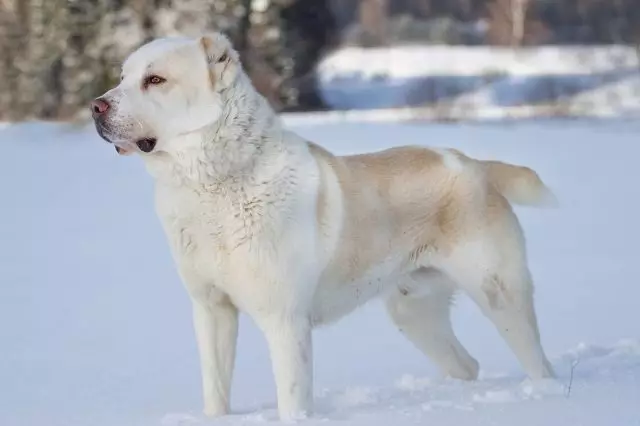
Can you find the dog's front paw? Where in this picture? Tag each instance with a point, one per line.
(215, 411)
(294, 416)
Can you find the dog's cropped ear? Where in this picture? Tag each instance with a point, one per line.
(222, 59)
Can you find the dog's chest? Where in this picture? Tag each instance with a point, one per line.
(204, 229)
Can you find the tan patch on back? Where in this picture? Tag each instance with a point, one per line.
(398, 202)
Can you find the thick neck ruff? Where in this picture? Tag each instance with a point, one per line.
(247, 136)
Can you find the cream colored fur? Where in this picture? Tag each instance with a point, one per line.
(263, 222)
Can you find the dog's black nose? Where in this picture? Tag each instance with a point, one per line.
(99, 107)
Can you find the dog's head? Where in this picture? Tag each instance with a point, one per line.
(169, 87)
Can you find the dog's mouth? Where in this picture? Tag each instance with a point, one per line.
(102, 131)
(146, 144)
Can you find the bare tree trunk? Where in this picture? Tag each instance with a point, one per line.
(46, 49)
(16, 19)
(518, 20)
(373, 16)
(8, 29)
(508, 25)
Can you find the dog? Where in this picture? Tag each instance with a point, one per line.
(261, 221)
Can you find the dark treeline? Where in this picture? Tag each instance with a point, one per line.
(58, 54)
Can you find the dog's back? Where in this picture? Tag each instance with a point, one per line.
(400, 206)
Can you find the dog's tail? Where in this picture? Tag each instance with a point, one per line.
(519, 184)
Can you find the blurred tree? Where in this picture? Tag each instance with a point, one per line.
(310, 30)
(10, 39)
(58, 54)
(515, 23)
(285, 40)
(507, 21)
(374, 16)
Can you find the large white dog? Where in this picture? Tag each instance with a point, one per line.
(263, 222)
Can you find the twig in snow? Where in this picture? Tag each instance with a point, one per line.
(574, 363)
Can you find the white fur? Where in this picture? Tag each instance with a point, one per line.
(237, 195)
(450, 159)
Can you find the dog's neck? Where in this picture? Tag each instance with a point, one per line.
(245, 143)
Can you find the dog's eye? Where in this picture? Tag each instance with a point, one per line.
(153, 80)
(223, 58)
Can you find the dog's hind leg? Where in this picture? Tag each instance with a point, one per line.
(424, 318)
(493, 272)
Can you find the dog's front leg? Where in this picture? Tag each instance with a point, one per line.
(216, 327)
(290, 346)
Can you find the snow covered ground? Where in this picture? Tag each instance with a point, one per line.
(95, 327)
(469, 81)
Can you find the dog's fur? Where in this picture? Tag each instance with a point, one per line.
(263, 222)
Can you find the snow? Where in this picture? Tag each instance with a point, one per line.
(96, 327)
(578, 80)
(400, 61)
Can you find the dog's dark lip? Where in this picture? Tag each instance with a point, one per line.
(102, 131)
(146, 144)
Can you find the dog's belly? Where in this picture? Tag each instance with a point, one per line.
(339, 296)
